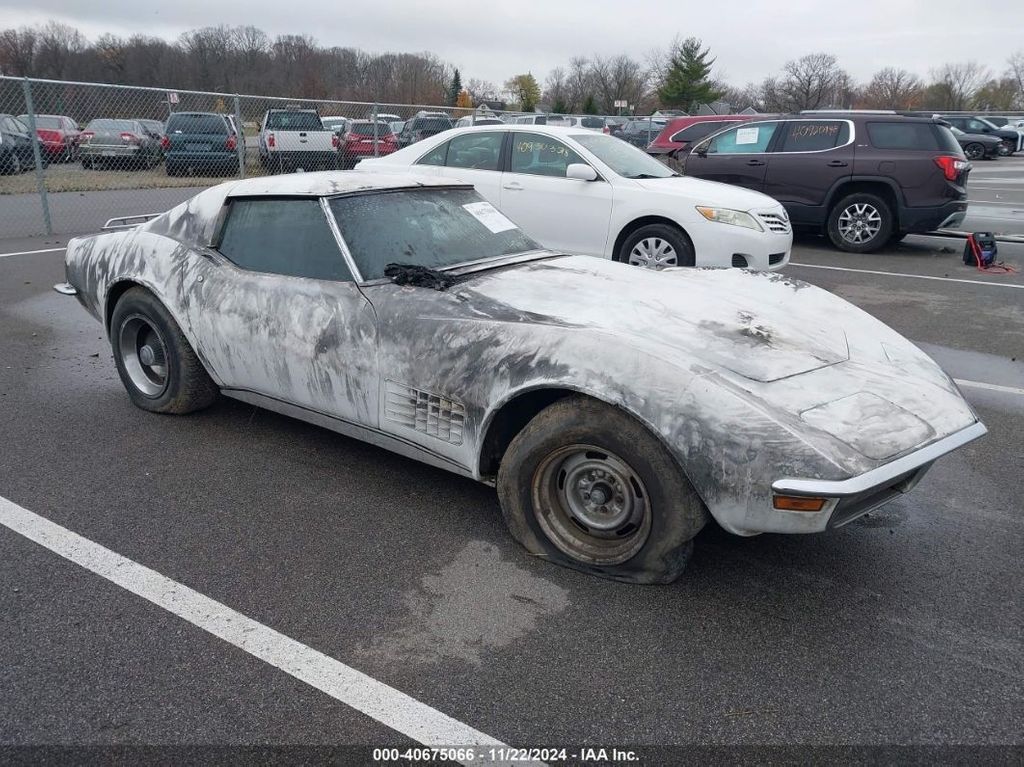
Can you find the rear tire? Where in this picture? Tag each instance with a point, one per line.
(157, 366)
(586, 486)
(657, 246)
(860, 223)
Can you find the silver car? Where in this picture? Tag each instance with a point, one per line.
(616, 409)
(118, 144)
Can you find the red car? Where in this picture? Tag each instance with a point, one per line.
(58, 137)
(681, 133)
(358, 142)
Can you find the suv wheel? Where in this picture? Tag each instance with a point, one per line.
(860, 223)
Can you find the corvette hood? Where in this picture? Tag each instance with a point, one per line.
(762, 326)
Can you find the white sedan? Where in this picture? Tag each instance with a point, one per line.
(583, 192)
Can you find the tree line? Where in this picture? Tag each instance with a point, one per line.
(244, 59)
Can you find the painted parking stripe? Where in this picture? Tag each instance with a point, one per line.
(377, 700)
(909, 276)
(32, 252)
(988, 386)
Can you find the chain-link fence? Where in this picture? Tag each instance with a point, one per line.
(75, 154)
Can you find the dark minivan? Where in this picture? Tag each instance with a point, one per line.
(865, 180)
(200, 142)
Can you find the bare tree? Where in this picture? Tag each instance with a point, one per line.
(58, 46)
(954, 85)
(18, 51)
(1015, 71)
(892, 88)
(812, 82)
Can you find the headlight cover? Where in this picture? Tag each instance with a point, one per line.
(729, 216)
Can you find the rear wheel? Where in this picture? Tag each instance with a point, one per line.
(657, 246)
(586, 486)
(860, 223)
(974, 151)
(156, 364)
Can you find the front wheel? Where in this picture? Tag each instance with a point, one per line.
(657, 246)
(974, 151)
(156, 364)
(588, 487)
(860, 223)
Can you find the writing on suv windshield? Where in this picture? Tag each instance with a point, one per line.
(432, 228)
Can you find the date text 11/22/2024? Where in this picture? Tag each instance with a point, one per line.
(503, 755)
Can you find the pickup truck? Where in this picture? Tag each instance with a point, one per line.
(295, 139)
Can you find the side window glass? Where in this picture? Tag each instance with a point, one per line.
(538, 155)
(479, 151)
(289, 237)
(815, 135)
(697, 131)
(746, 139)
(976, 126)
(435, 156)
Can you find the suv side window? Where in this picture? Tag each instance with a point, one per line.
(538, 155)
(815, 135)
(290, 237)
(902, 135)
(697, 131)
(480, 151)
(744, 139)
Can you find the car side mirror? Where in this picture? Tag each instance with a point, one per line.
(581, 172)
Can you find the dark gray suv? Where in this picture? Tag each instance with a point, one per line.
(865, 180)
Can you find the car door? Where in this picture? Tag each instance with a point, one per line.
(738, 156)
(561, 213)
(810, 158)
(475, 158)
(275, 311)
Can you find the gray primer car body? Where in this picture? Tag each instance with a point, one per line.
(755, 382)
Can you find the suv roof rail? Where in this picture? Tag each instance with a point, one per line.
(849, 111)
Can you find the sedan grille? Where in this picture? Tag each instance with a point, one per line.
(424, 412)
(775, 222)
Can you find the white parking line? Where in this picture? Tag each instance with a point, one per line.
(988, 386)
(32, 252)
(377, 700)
(910, 276)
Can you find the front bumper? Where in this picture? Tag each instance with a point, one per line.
(856, 496)
(723, 245)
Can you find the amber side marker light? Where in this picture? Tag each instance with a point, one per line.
(798, 503)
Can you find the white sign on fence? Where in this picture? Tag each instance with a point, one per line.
(172, 97)
(621, 104)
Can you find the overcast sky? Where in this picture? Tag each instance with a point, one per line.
(493, 40)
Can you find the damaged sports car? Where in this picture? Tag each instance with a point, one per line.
(616, 409)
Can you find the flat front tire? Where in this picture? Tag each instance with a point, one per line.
(586, 486)
(156, 364)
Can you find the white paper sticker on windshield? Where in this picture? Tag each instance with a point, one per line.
(746, 136)
(489, 216)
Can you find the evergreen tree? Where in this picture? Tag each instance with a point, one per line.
(455, 88)
(687, 80)
(590, 105)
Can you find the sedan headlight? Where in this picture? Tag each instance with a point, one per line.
(728, 216)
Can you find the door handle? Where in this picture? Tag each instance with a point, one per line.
(838, 164)
(513, 186)
(755, 162)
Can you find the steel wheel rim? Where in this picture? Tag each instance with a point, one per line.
(591, 504)
(653, 253)
(860, 223)
(144, 355)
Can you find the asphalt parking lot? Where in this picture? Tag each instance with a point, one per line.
(903, 628)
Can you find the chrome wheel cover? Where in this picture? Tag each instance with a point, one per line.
(143, 354)
(653, 253)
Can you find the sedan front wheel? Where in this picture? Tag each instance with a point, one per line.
(657, 246)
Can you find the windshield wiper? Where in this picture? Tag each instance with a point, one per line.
(649, 175)
(419, 276)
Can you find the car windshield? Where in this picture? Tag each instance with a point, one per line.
(204, 124)
(625, 159)
(103, 124)
(366, 129)
(294, 121)
(42, 121)
(432, 228)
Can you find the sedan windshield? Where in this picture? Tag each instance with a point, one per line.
(433, 228)
(625, 159)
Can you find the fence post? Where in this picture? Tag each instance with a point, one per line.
(376, 148)
(241, 139)
(37, 155)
